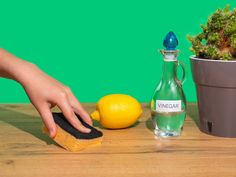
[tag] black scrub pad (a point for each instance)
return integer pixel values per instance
(60, 120)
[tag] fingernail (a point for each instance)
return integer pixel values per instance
(90, 122)
(87, 130)
(52, 132)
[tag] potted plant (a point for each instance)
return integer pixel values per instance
(214, 73)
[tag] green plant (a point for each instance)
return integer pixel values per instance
(218, 37)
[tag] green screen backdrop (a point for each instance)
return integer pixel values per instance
(100, 47)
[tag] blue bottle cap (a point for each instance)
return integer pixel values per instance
(170, 41)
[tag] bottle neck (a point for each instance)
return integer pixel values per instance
(169, 68)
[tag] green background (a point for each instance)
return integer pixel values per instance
(99, 47)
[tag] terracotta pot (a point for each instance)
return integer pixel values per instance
(215, 82)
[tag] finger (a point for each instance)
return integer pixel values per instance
(48, 121)
(71, 117)
(83, 114)
(78, 109)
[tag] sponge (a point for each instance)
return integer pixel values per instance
(70, 138)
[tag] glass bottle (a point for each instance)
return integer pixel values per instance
(168, 104)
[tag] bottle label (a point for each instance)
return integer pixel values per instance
(168, 105)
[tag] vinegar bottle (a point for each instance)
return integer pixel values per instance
(168, 104)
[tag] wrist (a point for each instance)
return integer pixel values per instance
(25, 73)
(14, 68)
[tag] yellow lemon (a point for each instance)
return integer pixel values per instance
(117, 111)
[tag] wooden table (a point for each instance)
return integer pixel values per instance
(26, 151)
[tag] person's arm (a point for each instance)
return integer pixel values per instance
(44, 92)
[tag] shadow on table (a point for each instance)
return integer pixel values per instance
(150, 126)
(192, 112)
(32, 124)
(24, 122)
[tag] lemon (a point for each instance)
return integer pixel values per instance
(117, 111)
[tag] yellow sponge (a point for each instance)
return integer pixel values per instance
(70, 138)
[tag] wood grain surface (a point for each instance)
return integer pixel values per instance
(26, 152)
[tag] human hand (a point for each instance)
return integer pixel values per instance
(45, 92)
